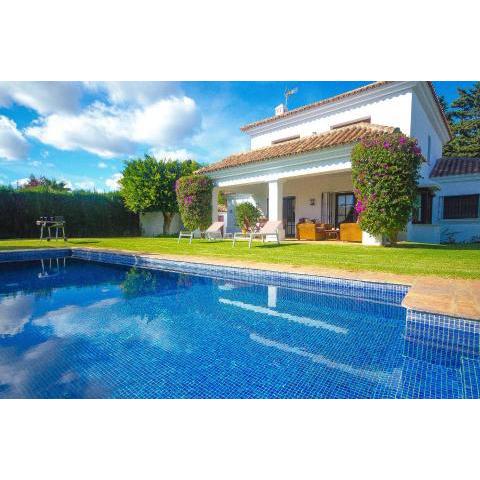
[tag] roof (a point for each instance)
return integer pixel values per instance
(331, 138)
(455, 166)
(336, 98)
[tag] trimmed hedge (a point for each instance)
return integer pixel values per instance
(87, 214)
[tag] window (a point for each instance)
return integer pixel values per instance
(460, 206)
(352, 122)
(345, 209)
(422, 213)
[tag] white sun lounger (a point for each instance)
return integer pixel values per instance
(269, 229)
(213, 231)
(185, 234)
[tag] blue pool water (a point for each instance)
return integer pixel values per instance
(76, 329)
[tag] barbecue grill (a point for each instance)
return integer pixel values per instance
(47, 223)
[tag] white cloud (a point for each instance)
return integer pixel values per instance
(139, 93)
(110, 131)
(85, 185)
(102, 165)
(35, 163)
(20, 182)
(181, 154)
(113, 181)
(43, 97)
(13, 145)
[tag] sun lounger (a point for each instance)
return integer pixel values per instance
(214, 231)
(270, 229)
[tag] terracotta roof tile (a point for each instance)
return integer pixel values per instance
(336, 98)
(331, 138)
(455, 166)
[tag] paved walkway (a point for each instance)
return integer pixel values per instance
(453, 297)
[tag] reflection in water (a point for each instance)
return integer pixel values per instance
(52, 267)
(374, 376)
(309, 322)
(15, 312)
(139, 282)
(120, 332)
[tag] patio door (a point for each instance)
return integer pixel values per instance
(289, 216)
(345, 208)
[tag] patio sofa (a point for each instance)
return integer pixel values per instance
(312, 231)
(350, 232)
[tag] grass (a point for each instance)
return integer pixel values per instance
(449, 261)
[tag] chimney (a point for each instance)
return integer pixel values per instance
(280, 109)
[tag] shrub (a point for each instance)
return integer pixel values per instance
(247, 214)
(385, 171)
(194, 197)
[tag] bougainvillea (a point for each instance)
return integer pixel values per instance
(385, 170)
(194, 197)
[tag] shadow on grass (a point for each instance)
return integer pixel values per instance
(433, 246)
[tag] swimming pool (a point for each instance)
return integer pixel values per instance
(71, 327)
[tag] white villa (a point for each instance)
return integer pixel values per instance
(299, 163)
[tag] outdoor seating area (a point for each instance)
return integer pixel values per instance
(316, 231)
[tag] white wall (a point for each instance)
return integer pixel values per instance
(393, 110)
(422, 128)
(464, 229)
(151, 224)
(303, 189)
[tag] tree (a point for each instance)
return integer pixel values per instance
(246, 215)
(149, 185)
(194, 197)
(465, 115)
(385, 171)
(445, 108)
(45, 184)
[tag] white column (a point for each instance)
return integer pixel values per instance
(275, 202)
(215, 204)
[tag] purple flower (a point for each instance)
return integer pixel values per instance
(359, 207)
(402, 140)
(387, 145)
(416, 150)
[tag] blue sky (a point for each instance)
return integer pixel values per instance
(82, 132)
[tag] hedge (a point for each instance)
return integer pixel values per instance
(87, 214)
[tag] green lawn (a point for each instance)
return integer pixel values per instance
(459, 261)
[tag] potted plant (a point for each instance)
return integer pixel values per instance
(247, 214)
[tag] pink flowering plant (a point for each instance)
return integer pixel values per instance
(385, 170)
(194, 198)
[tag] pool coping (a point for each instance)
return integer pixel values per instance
(447, 297)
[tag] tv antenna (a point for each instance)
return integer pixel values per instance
(289, 93)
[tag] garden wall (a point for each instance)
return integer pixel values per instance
(87, 214)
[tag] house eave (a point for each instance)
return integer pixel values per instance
(378, 93)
